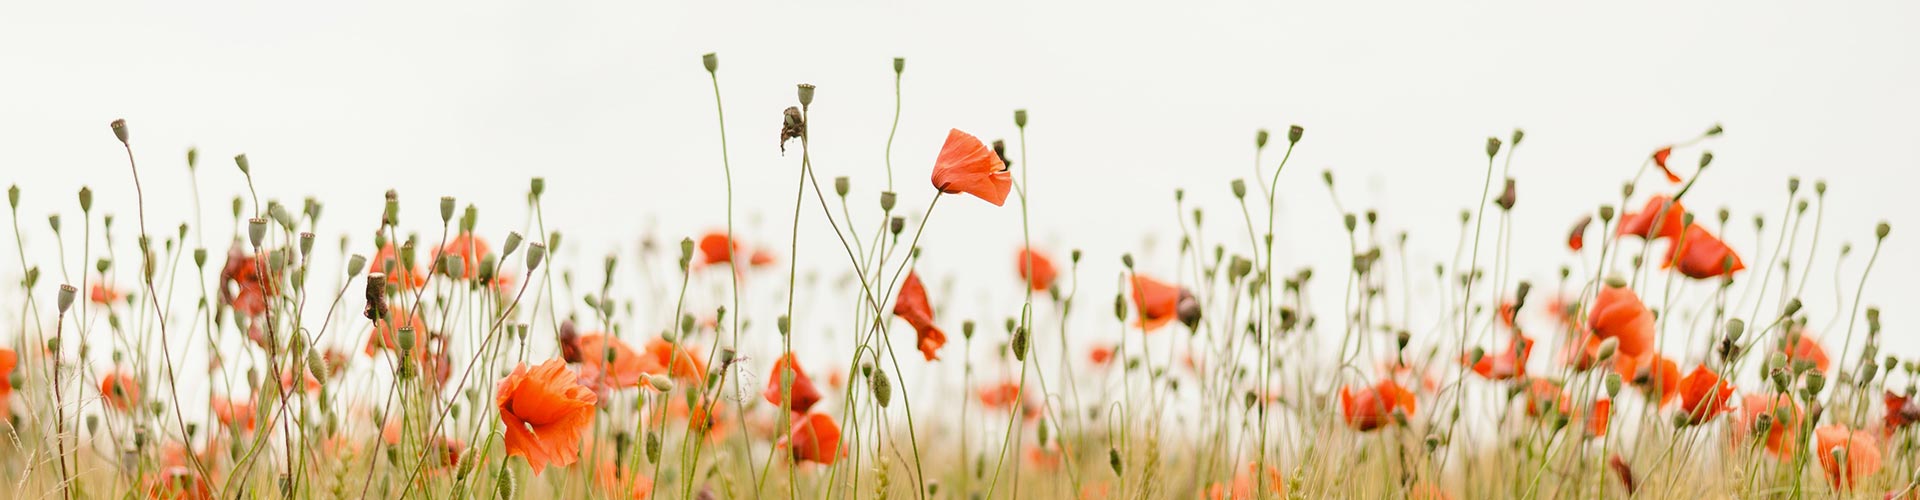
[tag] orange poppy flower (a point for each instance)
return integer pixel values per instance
(913, 307)
(1658, 379)
(545, 412)
(385, 333)
(1042, 274)
(1660, 159)
(1577, 237)
(1782, 436)
(1618, 314)
(968, 166)
(1668, 215)
(802, 392)
(8, 361)
(609, 362)
(1856, 448)
(308, 383)
(1703, 395)
(1372, 407)
(1426, 490)
(1540, 393)
(387, 260)
(469, 249)
(1244, 485)
(1003, 395)
(1039, 457)
(1100, 354)
(102, 294)
(244, 284)
(715, 250)
(1158, 302)
(120, 390)
(681, 361)
(613, 480)
(1598, 417)
(1699, 254)
(1901, 411)
(233, 413)
(1805, 347)
(178, 483)
(814, 438)
(1508, 363)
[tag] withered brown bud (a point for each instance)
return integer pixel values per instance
(792, 126)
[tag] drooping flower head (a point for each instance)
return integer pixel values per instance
(545, 412)
(913, 307)
(1618, 314)
(1698, 254)
(1042, 272)
(968, 166)
(1703, 395)
(801, 390)
(1158, 302)
(1370, 408)
(1662, 217)
(814, 438)
(246, 282)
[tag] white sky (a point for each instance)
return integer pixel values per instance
(608, 101)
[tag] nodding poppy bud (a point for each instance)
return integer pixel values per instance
(240, 160)
(504, 484)
(535, 253)
(660, 382)
(1507, 196)
(1716, 130)
(840, 186)
(1188, 310)
(784, 324)
(897, 224)
(1517, 136)
(119, 130)
(1606, 213)
(1126, 259)
(1260, 138)
(1880, 231)
(1793, 306)
(806, 94)
(1402, 338)
(1735, 327)
(66, 296)
(1493, 146)
(1613, 384)
(446, 209)
(1294, 133)
(406, 339)
(1474, 356)
(1020, 343)
(1020, 118)
(86, 199)
(882, 387)
(899, 65)
(256, 231)
(1326, 176)
(1607, 347)
(711, 61)
(13, 196)
(1113, 460)
(537, 186)
(1350, 221)
(1239, 188)
(1707, 157)
(966, 329)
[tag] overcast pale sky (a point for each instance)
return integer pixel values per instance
(608, 101)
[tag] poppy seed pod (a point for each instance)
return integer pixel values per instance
(535, 253)
(966, 329)
(537, 186)
(711, 61)
(1188, 310)
(806, 94)
(840, 186)
(1735, 327)
(897, 224)
(355, 264)
(1260, 138)
(119, 130)
(406, 338)
(1493, 146)
(1020, 118)
(1517, 136)
(1880, 231)
(1294, 133)
(1612, 384)
(256, 231)
(1239, 188)
(66, 297)
(446, 209)
(886, 201)
(86, 199)
(899, 65)
(512, 243)
(1606, 213)
(240, 160)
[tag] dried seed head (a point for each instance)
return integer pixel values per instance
(886, 201)
(1020, 118)
(1294, 133)
(66, 297)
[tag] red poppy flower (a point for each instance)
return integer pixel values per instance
(1856, 448)
(1703, 395)
(1577, 238)
(1667, 214)
(385, 333)
(968, 166)
(469, 249)
(1901, 411)
(1543, 394)
(308, 383)
(1100, 355)
(387, 260)
(1598, 416)
(1658, 379)
(1003, 396)
(1371, 408)
(244, 283)
(8, 361)
(1660, 159)
(663, 358)
(1043, 272)
(1426, 490)
(801, 391)
(609, 362)
(120, 390)
(178, 483)
(1783, 435)
(814, 438)
(1805, 347)
(102, 294)
(715, 250)
(1506, 364)
(233, 412)
(1618, 314)
(913, 307)
(545, 412)
(618, 482)
(1701, 255)
(1158, 302)
(1245, 484)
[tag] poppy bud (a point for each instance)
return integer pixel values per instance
(1349, 221)
(86, 199)
(256, 231)
(1793, 306)
(13, 197)
(1607, 348)
(1735, 327)
(1120, 306)
(240, 160)
(513, 243)
(537, 186)
(1020, 343)
(1493, 146)
(897, 224)
(966, 329)
(1239, 188)
(886, 201)
(1074, 256)
(119, 130)
(1613, 384)
(504, 484)
(783, 323)
(882, 387)
(1517, 136)
(1716, 130)
(54, 222)
(1020, 118)
(1506, 198)
(1113, 460)
(446, 209)
(1188, 310)
(1294, 133)
(806, 94)
(1327, 177)
(354, 264)
(535, 253)
(1260, 138)
(712, 61)
(66, 297)
(660, 382)
(1707, 157)
(840, 186)
(469, 219)
(1820, 187)
(1880, 231)
(1867, 372)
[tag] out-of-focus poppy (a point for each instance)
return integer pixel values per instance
(246, 282)
(178, 483)
(545, 412)
(1658, 378)
(1662, 217)
(966, 165)
(1542, 395)
(1783, 429)
(1043, 273)
(1370, 408)
(618, 482)
(609, 362)
(1158, 302)
(1246, 483)
(120, 390)
(233, 413)
(1901, 411)
(1846, 454)
(1660, 160)
(800, 391)
(1800, 346)
(913, 307)
(714, 250)
(1101, 354)
(469, 249)
(1509, 363)
(814, 438)
(681, 361)
(8, 361)
(1618, 314)
(1698, 254)
(1577, 238)
(1426, 490)
(1703, 395)
(388, 261)
(1598, 416)
(1003, 396)
(102, 294)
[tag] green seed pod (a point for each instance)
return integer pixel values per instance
(1020, 344)
(653, 448)
(535, 253)
(1294, 133)
(67, 293)
(882, 387)
(504, 484)
(1020, 118)
(1113, 460)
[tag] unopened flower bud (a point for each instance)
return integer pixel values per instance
(711, 61)
(841, 185)
(1020, 118)
(882, 387)
(1260, 138)
(660, 382)
(1294, 133)
(1493, 146)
